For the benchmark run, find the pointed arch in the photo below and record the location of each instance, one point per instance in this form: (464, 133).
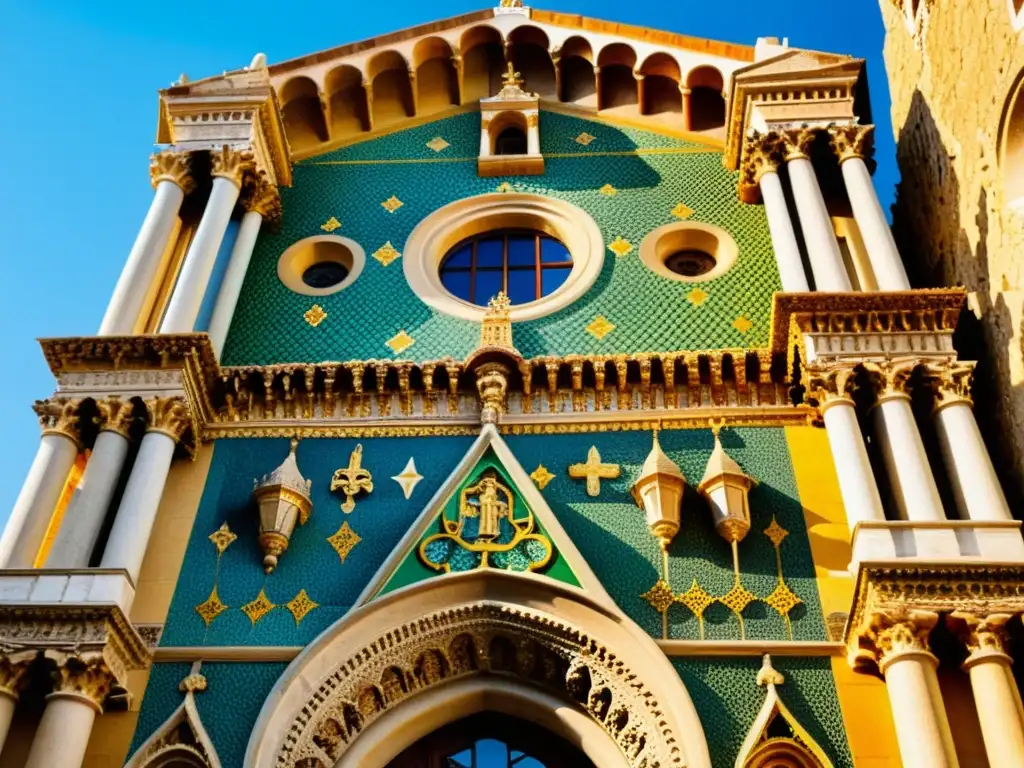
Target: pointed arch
(528, 50)
(437, 84)
(483, 61)
(181, 739)
(662, 75)
(618, 86)
(707, 104)
(391, 97)
(579, 81)
(303, 113)
(347, 98)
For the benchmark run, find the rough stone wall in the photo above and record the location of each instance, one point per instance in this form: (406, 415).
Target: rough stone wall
(952, 75)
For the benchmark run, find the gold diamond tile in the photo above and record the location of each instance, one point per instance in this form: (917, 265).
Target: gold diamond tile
(392, 204)
(222, 537)
(344, 540)
(620, 247)
(437, 144)
(608, 190)
(505, 187)
(682, 211)
(782, 599)
(386, 253)
(696, 598)
(258, 608)
(775, 532)
(659, 596)
(697, 297)
(400, 342)
(585, 139)
(600, 327)
(330, 225)
(315, 315)
(742, 324)
(211, 607)
(737, 598)
(300, 605)
(541, 476)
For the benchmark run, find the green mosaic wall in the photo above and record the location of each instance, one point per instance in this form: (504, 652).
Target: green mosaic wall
(650, 312)
(727, 698)
(609, 531)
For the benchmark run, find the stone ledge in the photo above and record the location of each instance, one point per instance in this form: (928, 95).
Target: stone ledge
(906, 542)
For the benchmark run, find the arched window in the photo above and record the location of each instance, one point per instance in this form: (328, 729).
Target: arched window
(511, 141)
(489, 740)
(526, 264)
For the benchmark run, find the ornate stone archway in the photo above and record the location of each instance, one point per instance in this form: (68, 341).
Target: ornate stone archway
(530, 631)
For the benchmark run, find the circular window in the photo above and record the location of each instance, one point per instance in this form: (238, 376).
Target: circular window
(690, 262)
(525, 264)
(321, 265)
(544, 252)
(689, 251)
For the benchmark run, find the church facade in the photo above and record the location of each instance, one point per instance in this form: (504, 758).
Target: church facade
(520, 389)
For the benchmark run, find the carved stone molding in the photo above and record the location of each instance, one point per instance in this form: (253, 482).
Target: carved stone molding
(14, 667)
(849, 141)
(230, 164)
(894, 607)
(115, 415)
(474, 639)
(59, 416)
(175, 167)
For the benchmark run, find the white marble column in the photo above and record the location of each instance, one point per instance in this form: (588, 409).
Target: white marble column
(63, 734)
(850, 143)
(903, 656)
(976, 488)
(996, 697)
(30, 517)
(227, 168)
(820, 238)
(686, 93)
(857, 485)
(172, 179)
(911, 481)
(533, 133)
(763, 169)
(13, 673)
(129, 537)
(85, 514)
(263, 203)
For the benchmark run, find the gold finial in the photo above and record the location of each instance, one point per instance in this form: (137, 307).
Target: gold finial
(716, 428)
(294, 444)
(768, 675)
(499, 303)
(511, 78)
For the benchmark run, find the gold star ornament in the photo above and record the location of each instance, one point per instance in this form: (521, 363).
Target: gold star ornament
(400, 342)
(386, 254)
(409, 478)
(620, 247)
(258, 608)
(608, 190)
(300, 605)
(697, 297)
(315, 315)
(585, 139)
(541, 476)
(438, 144)
(330, 225)
(211, 608)
(682, 211)
(600, 327)
(659, 596)
(222, 538)
(344, 540)
(392, 204)
(742, 324)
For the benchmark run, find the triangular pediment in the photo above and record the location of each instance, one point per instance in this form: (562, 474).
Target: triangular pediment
(802, 64)
(489, 514)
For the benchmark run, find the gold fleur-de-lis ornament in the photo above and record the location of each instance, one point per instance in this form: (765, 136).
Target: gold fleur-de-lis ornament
(352, 480)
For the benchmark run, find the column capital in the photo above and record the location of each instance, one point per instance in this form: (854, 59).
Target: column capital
(115, 415)
(230, 164)
(263, 198)
(175, 167)
(762, 153)
(985, 636)
(850, 141)
(885, 636)
(59, 416)
(168, 415)
(14, 672)
(797, 142)
(830, 386)
(85, 677)
(891, 379)
(683, 89)
(951, 382)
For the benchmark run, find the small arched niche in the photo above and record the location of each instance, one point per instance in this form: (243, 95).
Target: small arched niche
(706, 111)
(1012, 150)
(303, 114)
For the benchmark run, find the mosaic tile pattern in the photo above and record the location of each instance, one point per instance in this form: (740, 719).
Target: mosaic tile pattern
(650, 312)
(727, 698)
(608, 530)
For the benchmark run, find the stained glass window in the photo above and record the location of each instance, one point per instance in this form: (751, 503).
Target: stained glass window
(525, 264)
(491, 753)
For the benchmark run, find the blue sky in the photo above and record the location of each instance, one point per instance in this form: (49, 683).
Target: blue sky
(80, 111)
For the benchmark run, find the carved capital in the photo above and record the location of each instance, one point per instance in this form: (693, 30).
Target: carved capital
(59, 417)
(532, 119)
(83, 676)
(951, 383)
(891, 379)
(985, 636)
(14, 672)
(885, 636)
(230, 164)
(492, 383)
(849, 141)
(168, 415)
(684, 90)
(115, 415)
(797, 143)
(830, 386)
(762, 154)
(263, 198)
(175, 167)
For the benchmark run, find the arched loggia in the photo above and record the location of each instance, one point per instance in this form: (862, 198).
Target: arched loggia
(618, 85)
(483, 61)
(579, 83)
(528, 52)
(437, 85)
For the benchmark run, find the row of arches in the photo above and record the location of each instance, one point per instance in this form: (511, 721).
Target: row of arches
(437, 75)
